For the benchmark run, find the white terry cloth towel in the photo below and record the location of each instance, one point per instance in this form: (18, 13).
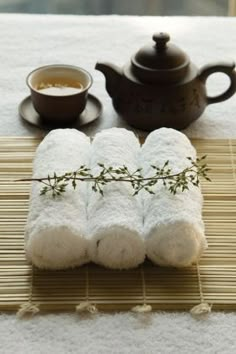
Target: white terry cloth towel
(56, 229)
(173, 225)
(115, 219)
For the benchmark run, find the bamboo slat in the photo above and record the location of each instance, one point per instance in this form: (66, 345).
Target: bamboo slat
(165, 288)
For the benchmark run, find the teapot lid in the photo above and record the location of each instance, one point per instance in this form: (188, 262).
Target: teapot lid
(162, 61)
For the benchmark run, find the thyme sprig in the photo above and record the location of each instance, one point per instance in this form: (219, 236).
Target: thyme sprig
(174, 182)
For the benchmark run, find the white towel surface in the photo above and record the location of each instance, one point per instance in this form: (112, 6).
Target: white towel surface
(173, 226)
(56, 228)
(115, 219)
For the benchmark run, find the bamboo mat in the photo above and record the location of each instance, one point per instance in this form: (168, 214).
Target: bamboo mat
(163, 288)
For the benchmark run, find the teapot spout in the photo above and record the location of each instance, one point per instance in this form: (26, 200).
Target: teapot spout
(113, 75)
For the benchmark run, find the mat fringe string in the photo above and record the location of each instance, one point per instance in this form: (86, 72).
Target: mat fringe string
(28, 308)
(145, 307)
(203, 308)
(86, 306)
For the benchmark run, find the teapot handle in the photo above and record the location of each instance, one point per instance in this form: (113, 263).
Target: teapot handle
(226, 68)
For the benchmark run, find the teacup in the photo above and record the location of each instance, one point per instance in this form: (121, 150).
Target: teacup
(59, 92)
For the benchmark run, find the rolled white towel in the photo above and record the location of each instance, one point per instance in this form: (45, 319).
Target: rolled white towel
(173, 225)
(115, 219)
(56, 230)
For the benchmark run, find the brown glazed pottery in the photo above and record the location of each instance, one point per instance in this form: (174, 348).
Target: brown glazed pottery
(160, 86)
(56, 108)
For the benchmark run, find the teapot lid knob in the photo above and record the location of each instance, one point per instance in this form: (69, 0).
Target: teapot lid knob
(161, 62)
(161, 38)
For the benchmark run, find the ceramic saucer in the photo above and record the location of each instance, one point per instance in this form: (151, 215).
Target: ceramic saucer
(91, 112)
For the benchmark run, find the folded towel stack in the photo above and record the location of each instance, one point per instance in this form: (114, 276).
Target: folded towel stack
(115, 219)
(56, 230)
(173, 226)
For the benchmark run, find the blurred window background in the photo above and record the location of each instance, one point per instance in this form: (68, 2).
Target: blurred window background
(122, 7)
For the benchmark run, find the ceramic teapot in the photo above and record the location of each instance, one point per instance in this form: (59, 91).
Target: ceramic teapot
(161, 87)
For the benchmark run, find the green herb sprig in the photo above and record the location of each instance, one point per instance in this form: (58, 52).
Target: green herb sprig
(174, 182)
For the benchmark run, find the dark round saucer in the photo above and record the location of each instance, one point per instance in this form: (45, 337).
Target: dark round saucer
(91, 112)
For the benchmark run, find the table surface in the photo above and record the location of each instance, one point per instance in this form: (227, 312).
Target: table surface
(30, 41)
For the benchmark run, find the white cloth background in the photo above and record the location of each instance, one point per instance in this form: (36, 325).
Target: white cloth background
(28, 41)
